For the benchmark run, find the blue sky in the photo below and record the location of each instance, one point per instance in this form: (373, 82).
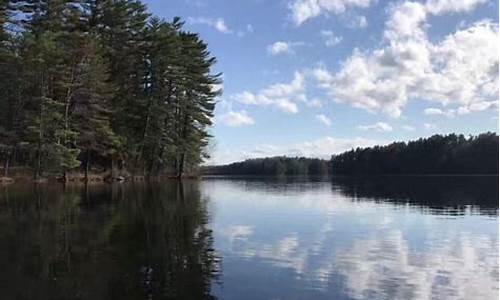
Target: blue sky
(317, 77)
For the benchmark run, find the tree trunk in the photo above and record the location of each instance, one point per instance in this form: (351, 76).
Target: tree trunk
(181, 166)
(87, 166)
(113, 166)
(6, 165)
(38, 168)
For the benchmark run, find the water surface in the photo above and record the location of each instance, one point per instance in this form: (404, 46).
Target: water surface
(342, 238)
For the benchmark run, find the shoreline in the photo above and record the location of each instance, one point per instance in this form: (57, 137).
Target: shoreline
(94, 178)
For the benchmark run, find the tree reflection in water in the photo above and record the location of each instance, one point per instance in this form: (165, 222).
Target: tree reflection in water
(133, 241)
(449, 195)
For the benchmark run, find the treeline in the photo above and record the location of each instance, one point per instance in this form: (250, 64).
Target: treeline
(438, 154)
(273, 166)
(101, 84)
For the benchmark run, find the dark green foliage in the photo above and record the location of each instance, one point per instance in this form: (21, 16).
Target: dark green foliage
(438, 154)
(274, 166)
(101, 83)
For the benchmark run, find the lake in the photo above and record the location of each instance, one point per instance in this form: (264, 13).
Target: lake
(252, 238)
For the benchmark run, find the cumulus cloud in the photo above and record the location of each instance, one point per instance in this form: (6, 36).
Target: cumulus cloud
(461, 70)
(324, 119)
(236, 119)
(279, 48)
(303, 10)
(330, 38)
(379, 126)
(218, 24)
(281, 95)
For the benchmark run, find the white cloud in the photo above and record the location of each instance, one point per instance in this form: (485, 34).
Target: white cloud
(219, 24)
(324, 119)
(287, 106)
(461, 70)
(379, 126)
(303, 10)
(330, 38)
(477, 106)
(281, 95)
(366, 263)
(431, 111)
(236, 119)
(430, 126)
(438, 7)
(357, 22)
(237, 232)
(279, 48)
(421, 272)
(408, 128)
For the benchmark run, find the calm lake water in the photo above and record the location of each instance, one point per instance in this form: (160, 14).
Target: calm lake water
(386, 238)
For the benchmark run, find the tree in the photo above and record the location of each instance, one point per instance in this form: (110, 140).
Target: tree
(102, 82)
(91, 110)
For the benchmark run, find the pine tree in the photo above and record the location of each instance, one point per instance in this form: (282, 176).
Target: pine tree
(195, 103)
(86, 81)
(91, 111)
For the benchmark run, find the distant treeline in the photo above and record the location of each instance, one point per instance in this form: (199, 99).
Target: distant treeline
(438, 154)
(101, 84)
(273, 166)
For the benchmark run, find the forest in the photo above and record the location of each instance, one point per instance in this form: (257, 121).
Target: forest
(438, 154)
(273, 166)
(89, 86)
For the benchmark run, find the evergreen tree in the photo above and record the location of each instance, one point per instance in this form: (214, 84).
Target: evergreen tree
(91, 111)
(101, 81)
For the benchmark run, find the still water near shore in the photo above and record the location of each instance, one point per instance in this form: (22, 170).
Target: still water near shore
(252, 238)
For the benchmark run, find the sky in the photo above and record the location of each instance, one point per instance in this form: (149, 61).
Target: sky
(319, 77)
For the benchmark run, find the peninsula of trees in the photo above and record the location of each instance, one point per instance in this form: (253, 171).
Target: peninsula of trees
(103, 85)
(438, 154)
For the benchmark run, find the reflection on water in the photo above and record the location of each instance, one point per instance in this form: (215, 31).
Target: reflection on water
(102, 242)
(386, 238)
